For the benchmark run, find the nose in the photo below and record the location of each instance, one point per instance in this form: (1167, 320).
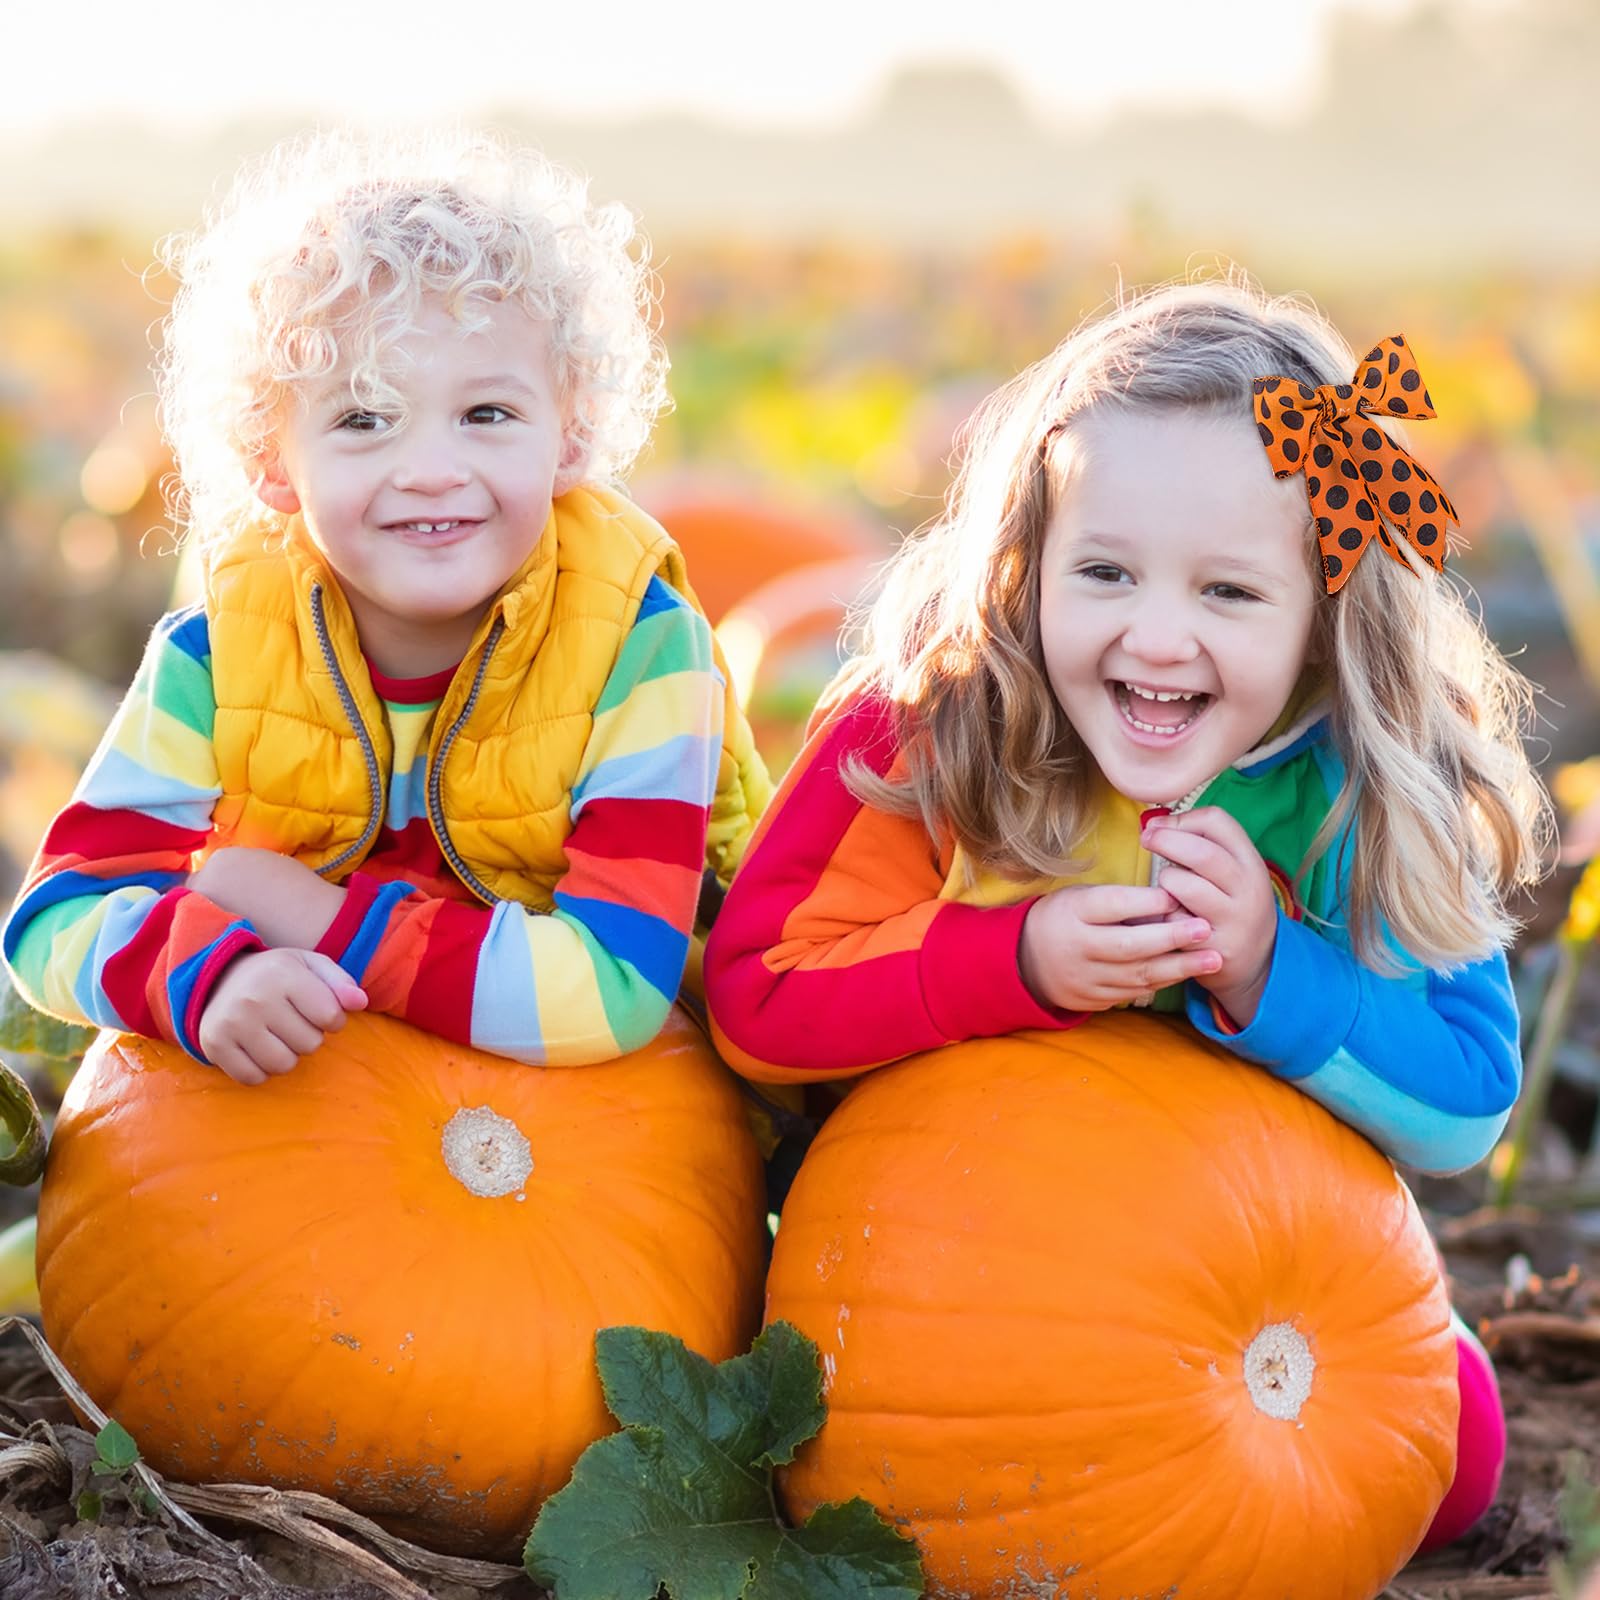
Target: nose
(431, 460)
(1161, 630)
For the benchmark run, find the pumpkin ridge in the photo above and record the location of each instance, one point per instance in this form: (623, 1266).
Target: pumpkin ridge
(246, 1268)
(988, 1413)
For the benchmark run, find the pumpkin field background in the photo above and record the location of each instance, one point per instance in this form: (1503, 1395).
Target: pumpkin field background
(819, 377)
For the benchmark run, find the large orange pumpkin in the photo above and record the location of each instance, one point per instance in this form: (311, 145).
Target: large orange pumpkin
(1112, 1311)
(380, 1276)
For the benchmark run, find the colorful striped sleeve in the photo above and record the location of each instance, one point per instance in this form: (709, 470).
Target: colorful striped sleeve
(104, 930)
(595, 977)
(1427, 1065)
(833, 951)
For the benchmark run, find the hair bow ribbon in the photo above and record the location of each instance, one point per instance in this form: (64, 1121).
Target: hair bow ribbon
(1357, 477)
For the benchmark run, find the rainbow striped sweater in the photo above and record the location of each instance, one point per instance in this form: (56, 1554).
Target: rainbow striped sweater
(106, 931)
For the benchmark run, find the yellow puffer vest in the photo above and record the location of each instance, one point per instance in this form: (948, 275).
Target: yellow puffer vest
(303, 749)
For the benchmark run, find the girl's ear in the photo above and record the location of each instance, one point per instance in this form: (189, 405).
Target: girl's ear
(272, 486)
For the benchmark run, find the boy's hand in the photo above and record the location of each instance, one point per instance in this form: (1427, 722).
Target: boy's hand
(1092, 946)
(273, 1006)
(286, 903)
(1218, 874)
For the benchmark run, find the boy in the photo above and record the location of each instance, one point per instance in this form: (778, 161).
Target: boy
(448, 736)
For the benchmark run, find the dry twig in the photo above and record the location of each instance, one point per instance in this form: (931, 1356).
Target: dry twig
(296, 1515)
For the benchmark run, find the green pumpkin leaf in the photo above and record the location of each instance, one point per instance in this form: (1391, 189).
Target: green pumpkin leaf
(117, 1450)
(682, 1498)
(843, 1552)
(89, 1506)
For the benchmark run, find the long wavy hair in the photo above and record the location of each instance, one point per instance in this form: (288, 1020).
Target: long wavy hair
(1425, 712)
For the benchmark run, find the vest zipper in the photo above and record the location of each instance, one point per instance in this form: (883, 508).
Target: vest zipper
(353, 712)
(436, 776)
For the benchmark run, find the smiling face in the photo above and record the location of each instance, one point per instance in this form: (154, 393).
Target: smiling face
(425, 510)
(1175, 596)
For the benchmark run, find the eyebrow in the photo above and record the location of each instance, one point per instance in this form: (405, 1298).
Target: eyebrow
(337, 391)
(503, 381)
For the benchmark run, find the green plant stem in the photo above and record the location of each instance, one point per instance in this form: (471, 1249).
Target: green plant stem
(1554, 1015)
(25, 1160)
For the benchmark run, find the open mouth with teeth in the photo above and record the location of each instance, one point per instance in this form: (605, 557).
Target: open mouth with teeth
(429, 527)
(1164, 712)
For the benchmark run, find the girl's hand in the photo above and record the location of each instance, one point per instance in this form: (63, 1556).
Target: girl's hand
(286, 903)
(273, 1006)
(1089, 947)
(1215, 872)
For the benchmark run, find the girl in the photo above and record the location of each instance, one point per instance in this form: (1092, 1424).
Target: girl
(1171, 706)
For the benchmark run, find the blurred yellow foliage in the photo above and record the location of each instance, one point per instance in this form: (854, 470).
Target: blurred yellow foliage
(1576, 785)
(1479, 385)
(795, 431)
(1583, 910)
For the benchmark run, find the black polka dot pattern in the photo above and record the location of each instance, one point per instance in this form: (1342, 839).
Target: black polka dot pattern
(1377, 481)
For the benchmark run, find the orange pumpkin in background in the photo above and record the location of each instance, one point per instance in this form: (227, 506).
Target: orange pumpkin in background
(380, 1276)
(776, 580)
(1113, 1311)
(736, 538)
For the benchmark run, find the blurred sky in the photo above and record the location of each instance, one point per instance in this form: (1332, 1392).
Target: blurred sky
(188, 62)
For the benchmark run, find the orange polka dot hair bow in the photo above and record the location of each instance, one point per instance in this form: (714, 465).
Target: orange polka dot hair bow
(1357, 477)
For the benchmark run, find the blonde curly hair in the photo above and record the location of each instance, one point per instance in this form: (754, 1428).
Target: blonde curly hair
(1425, 712)
(323, 253)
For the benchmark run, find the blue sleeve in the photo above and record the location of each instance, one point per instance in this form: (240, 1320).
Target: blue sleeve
(1427, 1065)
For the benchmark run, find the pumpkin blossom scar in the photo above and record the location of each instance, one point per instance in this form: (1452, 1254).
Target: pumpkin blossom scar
(486, 1153)
(1278, 1369)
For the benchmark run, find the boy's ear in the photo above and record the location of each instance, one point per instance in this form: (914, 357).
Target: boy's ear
(272, 486)
(569, 467)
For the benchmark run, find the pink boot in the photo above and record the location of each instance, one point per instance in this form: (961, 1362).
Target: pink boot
(1480, 1443)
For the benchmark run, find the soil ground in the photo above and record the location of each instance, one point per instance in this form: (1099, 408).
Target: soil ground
(1530, 1285)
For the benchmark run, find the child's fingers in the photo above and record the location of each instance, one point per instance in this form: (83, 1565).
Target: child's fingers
(231, 1059)
(1199, 896)
(296, 1032)
(272, 1054)
(1104, 904)
(315, 1004)
(1197, 852)
(349, 994)
(1130, 981)
(1120, 943)
(1179, 967)
(1207, 822)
